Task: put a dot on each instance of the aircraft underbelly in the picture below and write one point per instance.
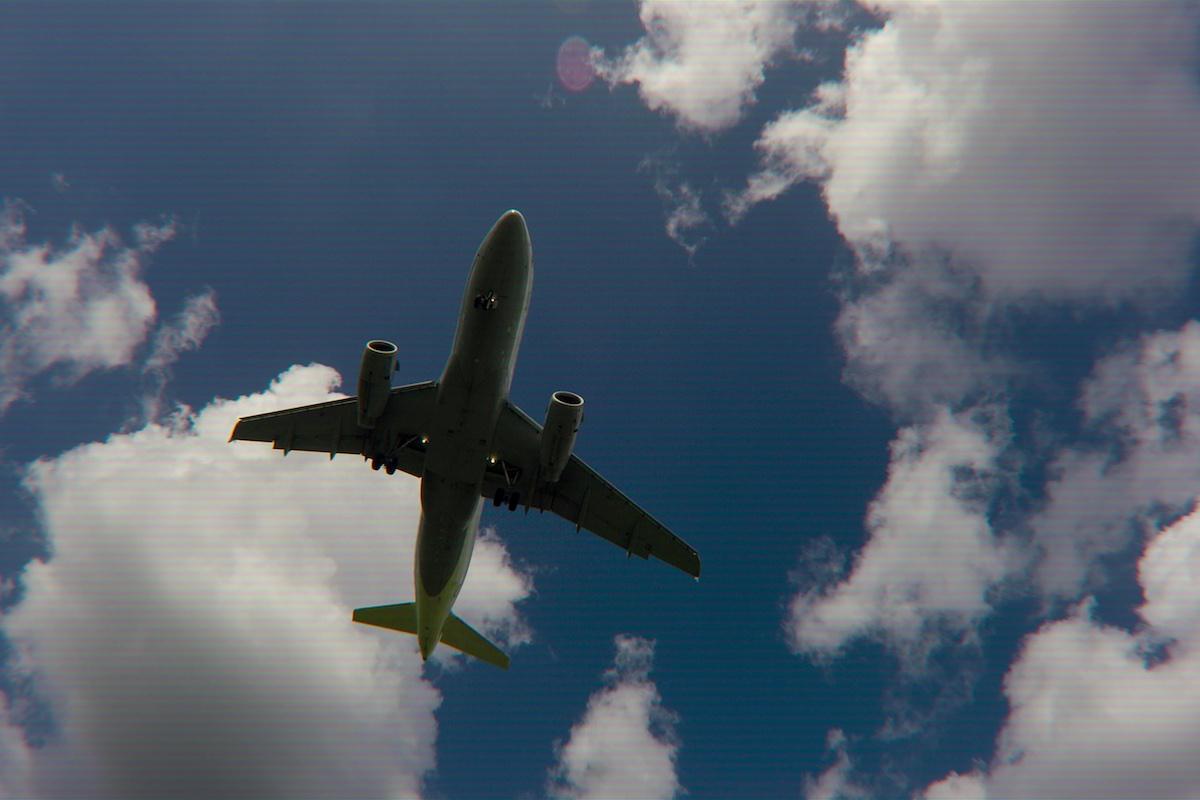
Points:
(449, 515)
(471, 393)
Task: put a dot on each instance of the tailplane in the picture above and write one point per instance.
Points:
(455, 633)
(462, 636)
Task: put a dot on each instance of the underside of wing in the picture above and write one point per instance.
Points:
(580, 495)
(332, 427)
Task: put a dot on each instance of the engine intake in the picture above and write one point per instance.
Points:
(375, 381)
(564, 415)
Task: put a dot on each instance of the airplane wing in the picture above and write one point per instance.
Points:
(332, 427)
(580, 496)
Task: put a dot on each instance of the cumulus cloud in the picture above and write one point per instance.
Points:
(931, 555)
(976, 158)
(702, 63)
(72, 309)
(914, 341)
(625, 745)
(1042, 145)
(1094, 715)
(190, 634)
(1142, 405)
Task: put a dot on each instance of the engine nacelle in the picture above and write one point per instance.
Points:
(564, 415)
(375, 381)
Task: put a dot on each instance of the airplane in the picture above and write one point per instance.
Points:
(463, 438)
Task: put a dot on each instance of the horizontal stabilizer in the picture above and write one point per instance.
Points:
(462, 636)
(455, 633)
(400, 617)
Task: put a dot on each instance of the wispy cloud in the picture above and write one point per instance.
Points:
(685, 217)
(625, 745)
(835, 782)
(185, 332)
(72, 309)
(198, 599)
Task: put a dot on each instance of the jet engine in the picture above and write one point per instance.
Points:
(563, 418)
(375, 381)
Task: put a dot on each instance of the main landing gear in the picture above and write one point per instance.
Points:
(387, 463)
(502, 496)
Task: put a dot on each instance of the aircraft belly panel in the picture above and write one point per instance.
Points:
(449, 513)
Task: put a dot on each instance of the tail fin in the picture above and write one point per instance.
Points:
(455, 633)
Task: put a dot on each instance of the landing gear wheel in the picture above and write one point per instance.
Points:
(390, 467)
(514, 500)
(498, 500)
(376, 464)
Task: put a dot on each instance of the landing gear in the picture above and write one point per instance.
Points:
(389, 464)
(501, 497)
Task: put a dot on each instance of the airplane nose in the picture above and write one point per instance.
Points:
(511, 219)
(509, 236)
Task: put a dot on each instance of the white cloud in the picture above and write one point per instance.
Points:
(76, 309)
(185, 332)
(1145, 402)
(702, 62)
(1092, 716)
(914, 342)
(834, 783)
(681, 204)
(956, 787)
(197, 601)
(791, 147)
(1042, 145)
(625, 745)
(978, 156)
(931, 556)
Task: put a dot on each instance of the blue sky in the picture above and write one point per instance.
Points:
(886, 309)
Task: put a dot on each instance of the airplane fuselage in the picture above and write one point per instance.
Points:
(465, 441)
(471, 392)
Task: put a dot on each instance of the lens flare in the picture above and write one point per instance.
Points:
(575, 71)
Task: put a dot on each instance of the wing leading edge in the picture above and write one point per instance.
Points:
(581, 496)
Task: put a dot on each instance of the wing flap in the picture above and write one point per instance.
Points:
(332, 427)
(323, 427)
